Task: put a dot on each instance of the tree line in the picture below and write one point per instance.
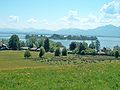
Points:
(14, 43)
(46, 45)
(64, 37)
(72, 37)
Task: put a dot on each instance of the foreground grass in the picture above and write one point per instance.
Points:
(10, 60)
(19, 74)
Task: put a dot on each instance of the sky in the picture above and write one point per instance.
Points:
(57, 14)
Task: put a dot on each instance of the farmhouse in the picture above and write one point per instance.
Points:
(3, 46)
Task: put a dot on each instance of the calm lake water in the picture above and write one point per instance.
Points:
(109, 42)
(105, 41)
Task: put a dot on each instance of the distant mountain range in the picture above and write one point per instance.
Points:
(108, 30)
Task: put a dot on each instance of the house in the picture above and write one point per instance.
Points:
(105, 49)
(33, 49)
(116, 48)
(38, 49)
(3, 46)
(24, 48)
(101, 53)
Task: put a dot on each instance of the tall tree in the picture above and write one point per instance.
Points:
(97, 45)
(14, 42)
(85, 44)
(116, 54)
(46, 45)
(81, 47)
(29, 43)
(40, 42)
(72, 46)
(92, 45)
(22, 44)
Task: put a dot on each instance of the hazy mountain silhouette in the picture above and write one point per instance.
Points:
(108, 30)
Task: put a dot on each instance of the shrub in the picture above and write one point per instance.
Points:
(64, 52)
(57, 52)
(52, 49)
(94, 53)
(42, 52)
(111, 53)
(83, 52)
(27, 54)
(92, 45)
(116, 54)
(90, 52)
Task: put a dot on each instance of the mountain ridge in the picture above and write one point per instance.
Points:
(107, 30)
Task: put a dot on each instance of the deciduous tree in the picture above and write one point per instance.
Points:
(57, 52)
(14, 42)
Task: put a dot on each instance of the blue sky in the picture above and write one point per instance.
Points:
(56, 14)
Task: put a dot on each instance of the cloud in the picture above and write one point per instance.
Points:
(74, 20)
(14, 18)
(111, 8)
(32, 21)
(110, 13)
(72, 17)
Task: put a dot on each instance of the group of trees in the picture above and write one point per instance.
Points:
(47, 45)
(42, 51)
(14, 43)
(33, 41)
(92, 49)
(58, 52)
(27, 53)
(75, 47)
(72, 37)
(84, 48)
(63, 37)
(115, 52)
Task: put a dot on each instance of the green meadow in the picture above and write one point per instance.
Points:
(17, 73)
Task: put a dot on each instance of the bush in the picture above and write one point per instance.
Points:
(27, 54)
(111, 53)
(94, 53)
(83, 52)
(57, 52)
(116, 54)
(42, 52)
(64, 52)
(90, 52)
(52, 49)
(80, 48)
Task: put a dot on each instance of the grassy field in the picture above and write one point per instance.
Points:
(17, 73)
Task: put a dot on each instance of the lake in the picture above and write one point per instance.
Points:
(104, 41)
(109, 42)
